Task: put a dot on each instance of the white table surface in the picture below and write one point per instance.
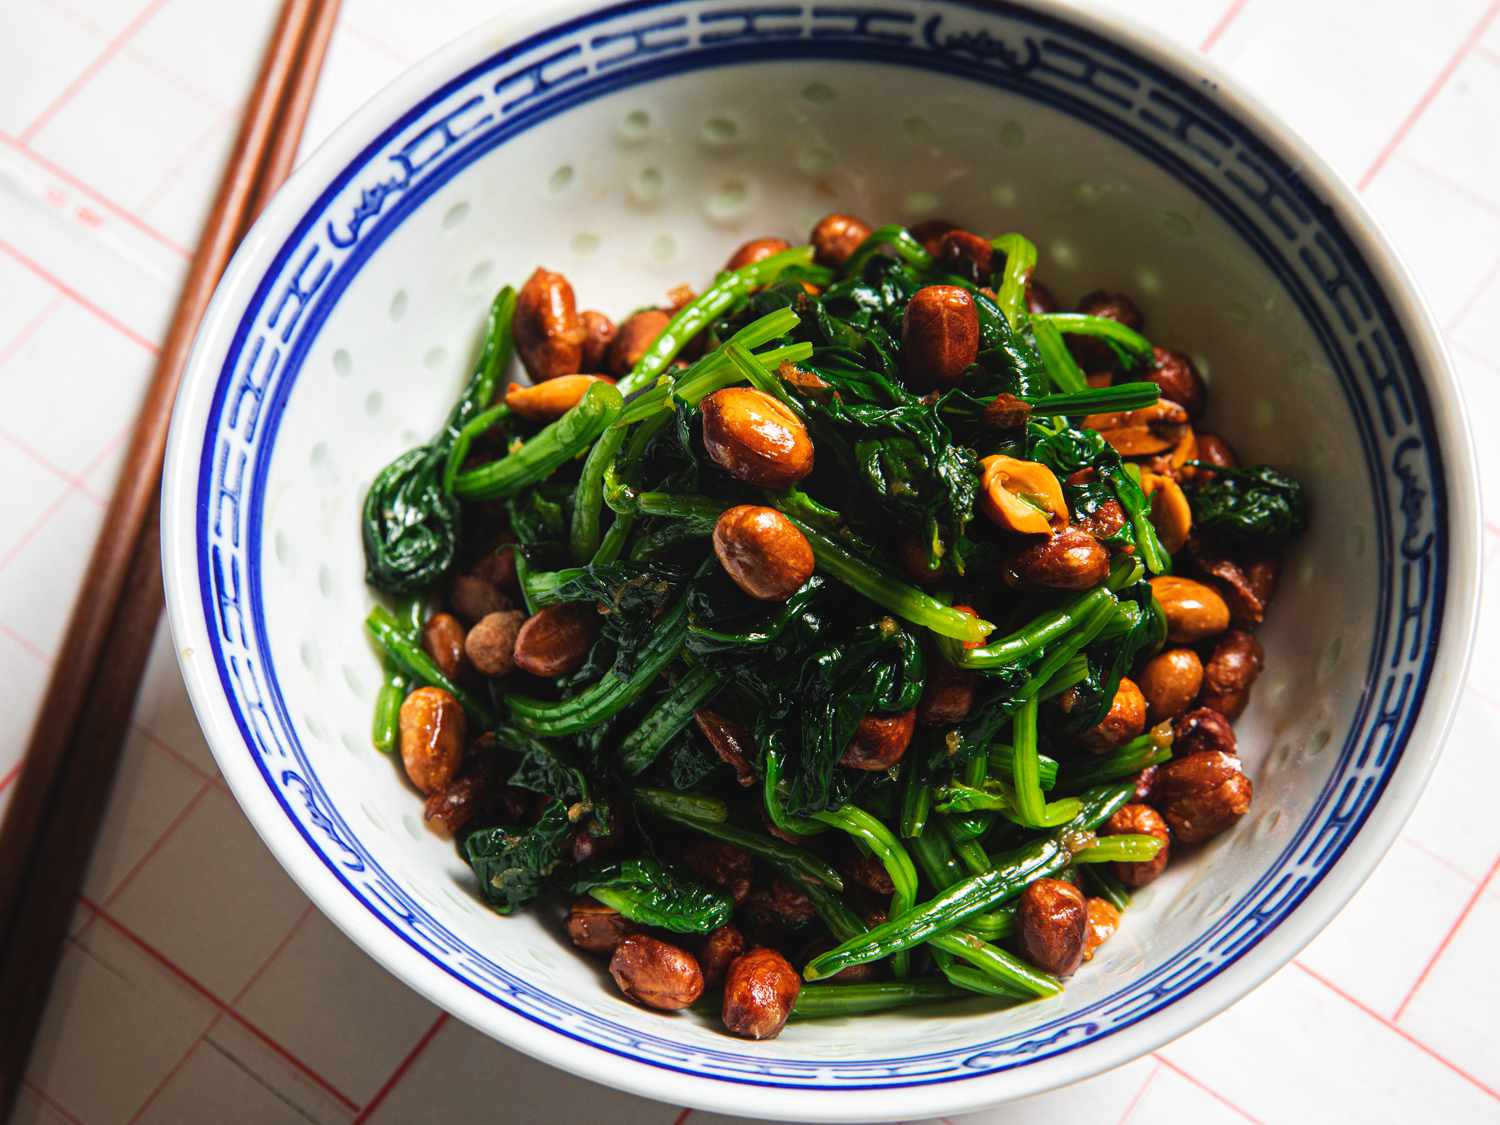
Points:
(199, 985)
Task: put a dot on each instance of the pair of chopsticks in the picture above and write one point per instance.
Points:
(59, 797)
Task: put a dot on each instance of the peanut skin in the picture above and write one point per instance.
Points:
(656, 974)
(755, 438)
(443, 640)
(756, 250)
(491, 644)
(632, 339)
(836, 238)
(1178, 379)
(1070, 559)
(1136, 819)
(431, 725)
(1193, 610)
(759, 991)
(596, 928)
(1054, 923)
(1201, 795)
(1125, 719)
(556, 640)
(598, 334)
(1170, 681)
(762, 551)
(549, 334)
(939, 336)
(879, 741)
(720, 949)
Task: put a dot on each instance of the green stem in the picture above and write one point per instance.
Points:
(458, 452)
(612, 693)
(1100, 327)
(1031, 637)
(829, 1001)
(588, 497)
(671, 714)
(1026, 765)
(546, 451)
(690, 806)
(1020, 262)
(1006, 968)
(1062, 369)
(897, 238)
(707, 307)
(410, 658)
(1125, 848)
(1095, 400)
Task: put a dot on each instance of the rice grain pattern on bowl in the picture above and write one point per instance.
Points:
(631, 147)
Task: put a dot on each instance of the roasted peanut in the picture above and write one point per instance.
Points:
(497, 566)
(1193, 611)
(1126, 719)
(731, 742)
(759, 991)
(1178, 379)
(556, 640)
(1170, 514)
(431, 725)
(1039, 299)
(1095, 355)
(596, 928)
(1247, 608)
(948, 695)
(916, 561)
(722, 865)
(1105, 521)
(1021, 496)
(779, 906)
(443, 640)
(1104, 920)
(549, 401)
(478, 789)
(966, 254)
(1202, 729)
(548, 332)
(929, 232)
(718, 951)
(1201, 795)
(836, 237)
(632, 338)
(755, 438)
(473, 596)
(598, 334)
(1136, 819)
(1231, 671)
(656, 974)
(762, 551)
(879, 741)
(1214, 450)
(756, 250)
(1144, 782)
(1141, 433)
(1170, 681)
(939, 336)
(1070, 559)
(491, 644)
(1053, 924)
(868, 872)
(1263, 574)
(589, 844)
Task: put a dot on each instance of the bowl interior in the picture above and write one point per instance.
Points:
(647, 176)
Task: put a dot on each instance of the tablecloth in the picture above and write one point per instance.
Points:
(199, 985)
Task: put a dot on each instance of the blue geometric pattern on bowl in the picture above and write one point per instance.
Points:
(1033, 56)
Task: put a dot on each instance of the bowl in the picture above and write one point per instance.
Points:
(632, 147)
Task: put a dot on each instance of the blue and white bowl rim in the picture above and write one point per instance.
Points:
(1273, 194)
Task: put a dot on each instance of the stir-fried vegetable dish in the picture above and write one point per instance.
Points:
(859, 632)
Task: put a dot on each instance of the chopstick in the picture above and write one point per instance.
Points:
(48, 833)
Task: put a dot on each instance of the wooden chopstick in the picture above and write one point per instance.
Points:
(48, 833)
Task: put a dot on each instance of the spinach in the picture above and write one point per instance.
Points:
(646, 892)
(1257, 505)
(513, 865)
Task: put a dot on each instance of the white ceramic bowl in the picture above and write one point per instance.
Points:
(632, 147)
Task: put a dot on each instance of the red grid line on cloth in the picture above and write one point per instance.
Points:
(33, 454)
(166, 1079)
(1217, 31)
(275, 953)
(28, 330)
(1428, 852)
(224, 1008)
(68, 291)
(50, 1101)
(681, 1117)
(160, 842)
(122, 213)
(1431, 93)
(1399, 1031)
(1452, 183)
(1135, 1099)
(224, 123)
(1475, 297)
(111, 49)
(10, 776)
(34, 530)
(1205, 1087)
(1437, 954)
(401, 1068)
(31, 647)
(161, 745)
